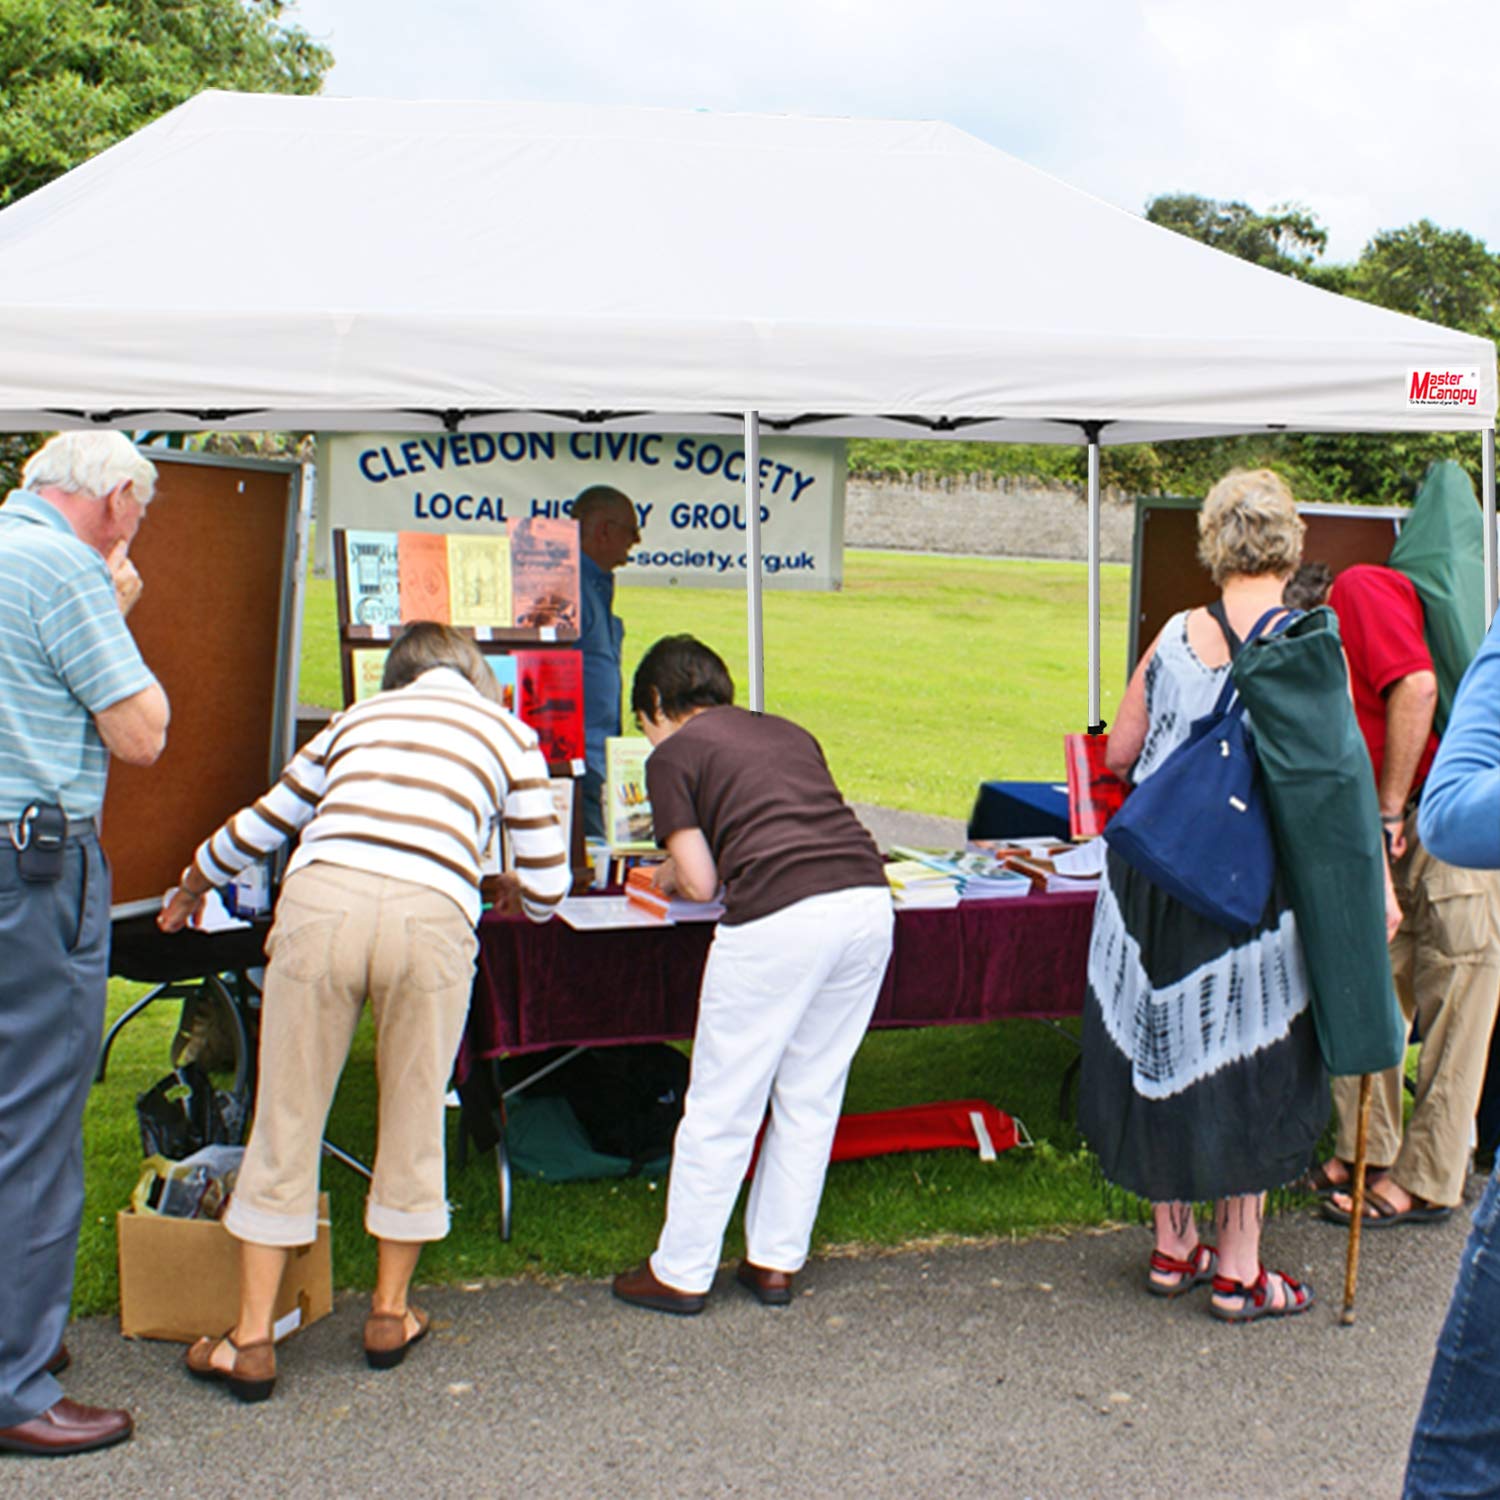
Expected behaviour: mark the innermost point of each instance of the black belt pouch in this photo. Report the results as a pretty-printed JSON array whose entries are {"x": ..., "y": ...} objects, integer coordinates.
[{"x": 39, "y": 847}]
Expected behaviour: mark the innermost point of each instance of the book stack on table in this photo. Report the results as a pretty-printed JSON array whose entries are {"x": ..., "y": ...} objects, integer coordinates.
[{"x": 644, "y": 896}]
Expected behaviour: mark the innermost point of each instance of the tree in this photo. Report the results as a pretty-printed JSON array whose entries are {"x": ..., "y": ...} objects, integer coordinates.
[
  {"x": 78, "y": 75},
  {"x": 1287, "y": 238},
  {"x": 1443, "y": 275}
]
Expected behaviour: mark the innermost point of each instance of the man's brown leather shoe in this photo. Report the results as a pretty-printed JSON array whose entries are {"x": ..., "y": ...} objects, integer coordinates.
[
  {"x": 66, "y": 1427},
  {"x": 59, "y": 1361},
  {"x": 773, "y": 1288},
  {"x": 641, "y": 1287}
]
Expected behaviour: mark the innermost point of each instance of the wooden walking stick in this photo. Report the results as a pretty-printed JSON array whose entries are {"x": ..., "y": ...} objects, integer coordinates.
[{"x": 1357, "y": 1200}]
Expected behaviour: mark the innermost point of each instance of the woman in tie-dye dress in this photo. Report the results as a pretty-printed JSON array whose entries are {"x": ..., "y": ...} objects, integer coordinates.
[{"x": 1201, "y": 1074}]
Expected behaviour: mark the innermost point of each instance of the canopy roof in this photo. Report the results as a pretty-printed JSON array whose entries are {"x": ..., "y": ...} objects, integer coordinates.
[{"x": 279, "y": 262}]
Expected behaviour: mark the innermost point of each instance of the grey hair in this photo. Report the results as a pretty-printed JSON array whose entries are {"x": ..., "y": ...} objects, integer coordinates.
[
  {"x": 92, "y": 464},
  {"x": 1249, "y": 524}
]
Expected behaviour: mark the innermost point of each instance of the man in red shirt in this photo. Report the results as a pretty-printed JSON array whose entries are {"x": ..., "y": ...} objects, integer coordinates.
[{"x": 1446, "y": 954}]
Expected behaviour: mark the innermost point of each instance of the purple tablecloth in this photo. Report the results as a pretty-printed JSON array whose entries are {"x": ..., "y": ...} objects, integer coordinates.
[{"x": 548, "y": 985}]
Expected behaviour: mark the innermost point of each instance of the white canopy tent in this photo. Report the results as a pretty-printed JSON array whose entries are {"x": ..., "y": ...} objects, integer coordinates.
[{"x": 270, "y": 262}]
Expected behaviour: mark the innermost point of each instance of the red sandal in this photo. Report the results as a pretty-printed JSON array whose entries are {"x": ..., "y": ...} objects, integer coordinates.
[
  {"x": 1255, "y": 1298},
  {"x": 1199, "y": 1267}
]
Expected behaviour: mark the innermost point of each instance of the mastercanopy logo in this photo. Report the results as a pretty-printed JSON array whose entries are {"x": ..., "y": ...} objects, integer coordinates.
[{"x": 1442, "y": 388}]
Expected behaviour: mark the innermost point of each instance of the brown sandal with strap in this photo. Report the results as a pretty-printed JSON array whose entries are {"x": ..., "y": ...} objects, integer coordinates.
[
  {"x": 386, "y": 1340},
  {"x": 253, "y": 1374}
]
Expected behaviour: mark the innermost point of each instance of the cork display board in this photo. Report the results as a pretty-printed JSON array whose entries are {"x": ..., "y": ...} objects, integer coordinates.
[{"x": 217, "y": 554}]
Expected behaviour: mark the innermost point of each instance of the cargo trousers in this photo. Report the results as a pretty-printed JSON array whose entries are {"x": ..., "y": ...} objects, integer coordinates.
[{"x": 1445, "y": 957}]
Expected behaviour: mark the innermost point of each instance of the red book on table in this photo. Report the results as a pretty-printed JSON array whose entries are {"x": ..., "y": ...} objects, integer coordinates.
[{"x": 1094, "y": 791}]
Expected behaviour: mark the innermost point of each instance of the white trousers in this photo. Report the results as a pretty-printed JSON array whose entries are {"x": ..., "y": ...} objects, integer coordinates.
[{"x": 785, "y": 1002}]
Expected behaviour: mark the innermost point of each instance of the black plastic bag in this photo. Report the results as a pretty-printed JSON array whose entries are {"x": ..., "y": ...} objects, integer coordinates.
[{"x": 183, "y": 1112}]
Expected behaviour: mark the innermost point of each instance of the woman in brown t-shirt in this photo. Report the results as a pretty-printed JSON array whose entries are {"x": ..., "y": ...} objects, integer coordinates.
[{"x": 746, "y": 800}]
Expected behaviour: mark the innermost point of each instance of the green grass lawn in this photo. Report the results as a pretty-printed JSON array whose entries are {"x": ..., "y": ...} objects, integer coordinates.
[{"x": 921, "y": 678}]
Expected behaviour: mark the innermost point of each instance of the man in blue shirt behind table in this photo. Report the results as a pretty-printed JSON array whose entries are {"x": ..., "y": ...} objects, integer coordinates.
[
  {"x": 73, "y": 692},
  {"x": 607, "y": 530}
]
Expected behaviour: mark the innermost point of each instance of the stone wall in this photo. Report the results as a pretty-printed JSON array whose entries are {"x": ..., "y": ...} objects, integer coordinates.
[{"x": 984, "y": 514}]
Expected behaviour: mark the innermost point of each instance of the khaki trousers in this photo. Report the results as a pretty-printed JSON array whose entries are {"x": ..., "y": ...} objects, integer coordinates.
[
  {"x": 1445, "y": 957},
  {"x": 341, "y": 935}
]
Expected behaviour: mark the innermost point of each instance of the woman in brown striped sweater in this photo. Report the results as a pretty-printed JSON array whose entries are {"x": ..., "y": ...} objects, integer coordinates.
[{"x": 396, "y": 802}]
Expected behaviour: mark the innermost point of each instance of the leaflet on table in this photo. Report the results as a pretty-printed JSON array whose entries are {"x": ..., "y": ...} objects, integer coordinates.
[
  {"x": 604, "y": 913},
  {"x": 627, "y": 806},
  {"x": 977, "y": 876}
]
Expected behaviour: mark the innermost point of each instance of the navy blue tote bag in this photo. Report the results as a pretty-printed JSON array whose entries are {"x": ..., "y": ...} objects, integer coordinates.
[{"x": 1198, "y": 828}]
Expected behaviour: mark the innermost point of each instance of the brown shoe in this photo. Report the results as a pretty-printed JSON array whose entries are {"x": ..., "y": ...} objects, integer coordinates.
[
  {"x": 641, "y": 1287},
  {"x": 252, "y": 1377},
  {"x": 66, "y": 1427},
  {"x": 386, "y": 1338},
  {"x": 773, "y": 1288},
  {"x": 59, "y": 1361}
]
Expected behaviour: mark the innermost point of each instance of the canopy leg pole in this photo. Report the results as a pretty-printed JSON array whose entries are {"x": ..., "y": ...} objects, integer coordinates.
[
  {"x": 1091, "y": 431},
  {"x": 1487, "y": 482},
  {"x": 755, "y": 618}
]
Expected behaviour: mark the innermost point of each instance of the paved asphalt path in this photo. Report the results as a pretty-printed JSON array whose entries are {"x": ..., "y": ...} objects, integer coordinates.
[{"x": 1036, "y": 1369}]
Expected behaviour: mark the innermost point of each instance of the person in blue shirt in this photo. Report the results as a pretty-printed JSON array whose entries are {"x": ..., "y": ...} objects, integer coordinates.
[
  {"x": 607, "y": 530},
  {"x": 1457, "y": 1436},
  {"x": 73, "y": 692}
]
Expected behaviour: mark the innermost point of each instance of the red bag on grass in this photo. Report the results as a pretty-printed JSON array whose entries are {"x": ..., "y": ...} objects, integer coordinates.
[{"x": 968, "y": 1124}]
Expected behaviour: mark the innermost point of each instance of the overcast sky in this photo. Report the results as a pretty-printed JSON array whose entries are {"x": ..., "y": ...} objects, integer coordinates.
[{"x": 1373, "y": 113}]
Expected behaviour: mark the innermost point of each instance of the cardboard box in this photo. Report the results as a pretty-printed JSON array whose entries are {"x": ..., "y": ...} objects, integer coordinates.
[{"x": 180, "y": 1280}]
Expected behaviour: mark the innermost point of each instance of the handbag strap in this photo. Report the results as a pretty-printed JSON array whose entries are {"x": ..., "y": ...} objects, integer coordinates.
[{"x": 1236, "y": 645}]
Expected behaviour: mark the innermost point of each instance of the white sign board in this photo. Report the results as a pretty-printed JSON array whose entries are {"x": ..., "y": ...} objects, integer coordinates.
[{"x": 688, "y": 492}]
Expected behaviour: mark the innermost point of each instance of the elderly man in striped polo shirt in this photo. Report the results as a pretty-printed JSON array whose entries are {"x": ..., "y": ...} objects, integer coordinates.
[{"x": 73, "y": 692}]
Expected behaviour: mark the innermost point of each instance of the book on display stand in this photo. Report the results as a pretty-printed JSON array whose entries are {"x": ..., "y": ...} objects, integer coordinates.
[{"x": 514, "y": 590}]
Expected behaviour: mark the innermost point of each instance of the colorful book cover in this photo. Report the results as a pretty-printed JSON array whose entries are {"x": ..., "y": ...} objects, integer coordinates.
[
  {"x": 627, "y": 805},
  {"x": 479, "y": 580},
  {"x": 544, "y": 574},
  {"x": 368, "y": 667},
  {"x": 551, "y": 700},
  {"x": 423, "y": 557},
  {"x": 504, "y": 668},
  {"x": 1095, "y": 793},
  {"x": 374, "y": 578}
]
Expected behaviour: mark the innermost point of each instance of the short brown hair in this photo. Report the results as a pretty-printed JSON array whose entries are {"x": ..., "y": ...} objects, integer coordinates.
[
  {"x": 425, "y": 644},
  {"x": 677, "y": 674},
  {"x": 1249, "y": 524}
]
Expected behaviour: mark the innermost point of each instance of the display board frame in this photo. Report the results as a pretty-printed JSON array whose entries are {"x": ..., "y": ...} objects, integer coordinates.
[
  {"x": 223, "y": 560},
  {"x": 1166, "y": 576}
]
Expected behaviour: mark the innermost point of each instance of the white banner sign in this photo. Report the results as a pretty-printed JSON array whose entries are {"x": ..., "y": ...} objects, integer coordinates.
[{"x": 688, "y": 493}]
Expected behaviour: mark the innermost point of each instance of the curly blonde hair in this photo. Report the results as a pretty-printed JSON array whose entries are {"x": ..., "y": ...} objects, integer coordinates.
[{"x": 1249, "y": 524}]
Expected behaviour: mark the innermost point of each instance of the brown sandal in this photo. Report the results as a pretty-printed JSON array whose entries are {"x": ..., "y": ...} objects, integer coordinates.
[
  {"x": 386, "y": 1342},
  {"x": 253, "y": 1376}
]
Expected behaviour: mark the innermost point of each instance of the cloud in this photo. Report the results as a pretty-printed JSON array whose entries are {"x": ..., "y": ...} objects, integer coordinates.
[{"x": 1372, "y": 113}]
